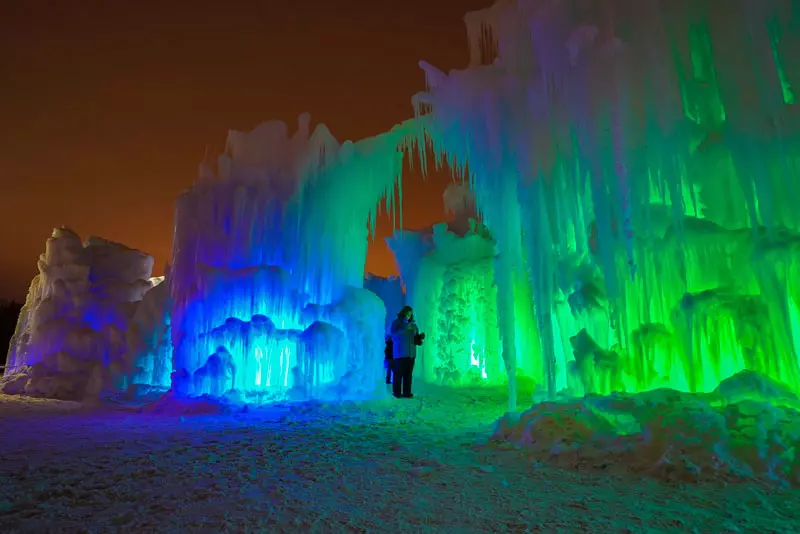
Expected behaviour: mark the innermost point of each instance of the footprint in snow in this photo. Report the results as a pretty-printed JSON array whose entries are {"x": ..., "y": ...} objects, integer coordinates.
[{"x": 420, "y": 471}]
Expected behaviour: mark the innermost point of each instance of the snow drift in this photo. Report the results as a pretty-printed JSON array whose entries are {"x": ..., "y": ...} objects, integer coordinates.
[{"x": 748, "y": 427}]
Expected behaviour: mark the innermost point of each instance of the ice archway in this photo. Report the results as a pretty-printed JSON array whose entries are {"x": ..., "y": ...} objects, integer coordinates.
[{"x": 635, "y": 165}]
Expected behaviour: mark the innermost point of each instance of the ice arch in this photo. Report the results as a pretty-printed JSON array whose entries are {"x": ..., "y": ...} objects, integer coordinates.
[{"x": 635, "y": 166}]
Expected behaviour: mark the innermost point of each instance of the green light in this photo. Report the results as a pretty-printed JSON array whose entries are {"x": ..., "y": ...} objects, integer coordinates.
[
  {"x": 478, "y": 359},
  {"x": 786, "y": 87}
]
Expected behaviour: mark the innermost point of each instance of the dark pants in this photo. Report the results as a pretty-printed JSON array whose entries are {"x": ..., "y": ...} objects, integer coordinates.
[
  {"x": 403, "y": 372},
  {"x": 389, "y": 364}
]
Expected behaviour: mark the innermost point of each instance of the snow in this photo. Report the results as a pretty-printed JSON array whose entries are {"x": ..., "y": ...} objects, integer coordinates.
[
  {"x": 421, "y": 465},
  {"x": 749, "y": 427}
]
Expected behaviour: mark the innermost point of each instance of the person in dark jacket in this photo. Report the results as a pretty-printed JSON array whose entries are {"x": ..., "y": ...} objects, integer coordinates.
[
  {"x": 388, "y": 359},
  {"x": 405, "y": 339}
]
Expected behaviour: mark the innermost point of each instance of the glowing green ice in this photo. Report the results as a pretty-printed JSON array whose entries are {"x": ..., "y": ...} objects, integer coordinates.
[{"x": 651, "y": 232}]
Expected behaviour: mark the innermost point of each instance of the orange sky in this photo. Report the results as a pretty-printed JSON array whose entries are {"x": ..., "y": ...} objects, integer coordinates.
[{"x": 107, "y": 106}]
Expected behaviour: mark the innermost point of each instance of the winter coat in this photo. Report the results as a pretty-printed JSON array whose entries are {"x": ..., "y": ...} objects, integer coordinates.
[{"x": 404, "y": 338}]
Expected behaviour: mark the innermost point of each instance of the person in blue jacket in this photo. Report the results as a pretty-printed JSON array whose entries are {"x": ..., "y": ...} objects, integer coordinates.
[{"x": 405, "y": 340}]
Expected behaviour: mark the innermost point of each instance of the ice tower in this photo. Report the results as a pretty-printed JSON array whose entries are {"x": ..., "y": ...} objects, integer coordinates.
[
  {"x": 75, "y": 336},
  {"x": 269, "y": 255}
]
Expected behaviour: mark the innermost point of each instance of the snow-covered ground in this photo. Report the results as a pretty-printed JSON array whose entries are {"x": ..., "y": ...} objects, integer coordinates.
[{"x": 384, "y": 466}]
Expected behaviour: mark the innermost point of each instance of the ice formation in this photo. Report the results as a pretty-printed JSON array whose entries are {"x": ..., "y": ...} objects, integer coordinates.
[
  {"x": 269, "y": 255},
  {"x": 448, "y": 273},
  {"x": 150, "y": 337},
  {"x": 633, "y": 167},
  {"x": 390, "y": 291},
  {"x": 749, "y": 426},
  {"x": 72, "y": 337}
]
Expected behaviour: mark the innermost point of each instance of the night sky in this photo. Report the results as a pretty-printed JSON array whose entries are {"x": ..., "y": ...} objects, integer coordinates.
[{"x": 107, "y": 107}]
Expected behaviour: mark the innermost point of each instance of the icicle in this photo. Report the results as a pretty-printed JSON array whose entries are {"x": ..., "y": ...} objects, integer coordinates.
[
  {"x": 620, "y": 152},
  {"x": 563, "y": 131}
]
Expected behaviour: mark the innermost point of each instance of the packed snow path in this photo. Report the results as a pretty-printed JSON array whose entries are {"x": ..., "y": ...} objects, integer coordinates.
[{"x": 388, "y": 466}]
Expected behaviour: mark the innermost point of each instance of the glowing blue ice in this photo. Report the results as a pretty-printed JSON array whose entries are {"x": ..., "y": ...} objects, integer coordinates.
[{"x": 269, "y": 255}]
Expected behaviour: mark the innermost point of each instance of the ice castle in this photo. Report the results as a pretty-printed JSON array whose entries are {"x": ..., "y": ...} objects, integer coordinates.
[{"x": 633, "y": 167}]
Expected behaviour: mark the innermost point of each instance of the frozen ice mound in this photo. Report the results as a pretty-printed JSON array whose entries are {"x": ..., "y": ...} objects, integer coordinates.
[
  {"x": 70, "y": 379},
  {"x": 749, "y": 427},
  {"x": 174, "y": 405},
  {"x": 83, "y": 330}
]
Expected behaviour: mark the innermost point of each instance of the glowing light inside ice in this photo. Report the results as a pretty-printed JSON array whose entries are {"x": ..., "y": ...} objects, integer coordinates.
[
  {"x": 268, "y": 276},
  {"x": 477, "y": 359},
  {"x": 636, "y": 188}
]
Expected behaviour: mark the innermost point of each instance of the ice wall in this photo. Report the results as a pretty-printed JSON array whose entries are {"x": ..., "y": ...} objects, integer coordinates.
[
  {"x": 448, "y": 269},
  {"x": 149, "y": 337},
  {"x": 634, "y": 164},
  {"x": 390, "y": 291},
  {"x": 264, "y": 245},
  {"x": 70, "y": 340}
]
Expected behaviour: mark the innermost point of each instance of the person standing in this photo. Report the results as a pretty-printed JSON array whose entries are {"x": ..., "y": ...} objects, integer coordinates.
[
  {"x": 405, "y": 339},
  {"x": 388, "y": 356}
]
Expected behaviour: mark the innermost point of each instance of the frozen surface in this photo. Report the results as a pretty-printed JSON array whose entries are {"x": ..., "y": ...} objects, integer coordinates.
[
  {"x": 635, "y": 171},
  {"x": 380, "y": 466},
  {"x": 149, "y": 337},
  {"x": 749, "y": 427}
]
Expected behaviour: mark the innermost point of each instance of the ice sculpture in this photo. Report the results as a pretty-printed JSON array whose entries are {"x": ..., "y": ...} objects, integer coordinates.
[
  {"x": 71, "y": 337},
  {"x": 635, "y": 164},
  {"x": 637, "y": 179},
  {"x": 267, "y": 248}
]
